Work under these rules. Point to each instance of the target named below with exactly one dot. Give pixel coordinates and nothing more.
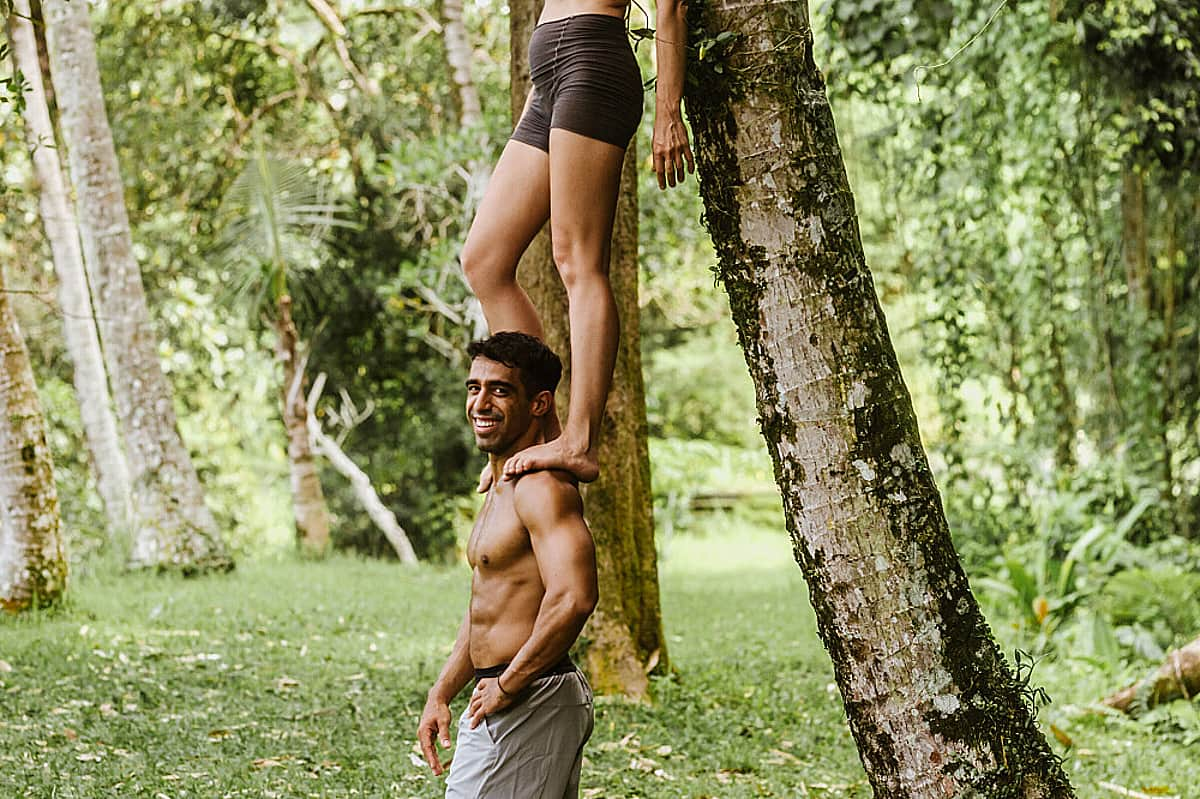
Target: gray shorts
(532, 750)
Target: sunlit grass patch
(288, 679)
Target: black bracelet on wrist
(500, 685)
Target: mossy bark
(172, 527)
(33, 565)
(934, 708)
(74, 295)
(624, 638)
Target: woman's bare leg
(585, 176)
(514, 208)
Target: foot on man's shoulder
(553, 455)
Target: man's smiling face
(497, 405)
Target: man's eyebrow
(475, 381)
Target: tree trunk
(458, 58)
(934, 708)
(1134, 248)
(1177, 678)
(74, 296)
(308, 500)
(625, 636)
(360, 483)
(33, 566)
(172, 527)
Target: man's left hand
(486, 699)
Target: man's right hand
(434, 727)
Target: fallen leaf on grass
(1121, 790)
(5, 666)
(1061, 737)
(70, 734)
(272, 762)
(89, 757)
(285, 683)
(219, 735)
(781, 757)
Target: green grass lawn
(289, 679)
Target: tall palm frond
(274, 221)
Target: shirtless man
(533, 585)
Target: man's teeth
(485, 423)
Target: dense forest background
(1026, 179)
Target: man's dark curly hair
(540, 368)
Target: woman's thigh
(585, 179)
(515, 206)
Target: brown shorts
(585, 80)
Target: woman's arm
(670, 143)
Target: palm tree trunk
(934, 708)
(74, 295)
(33, 566)
(308, 500)
(172, 527)
(625, 634)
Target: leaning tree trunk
(308, 500)
(934, 708)
(625, 633)
(172, 527)
(33, 568)
(79, 322)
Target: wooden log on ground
(1177, 678)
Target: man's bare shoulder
(546, 493)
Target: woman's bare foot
(556, 454)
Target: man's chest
(498, 537)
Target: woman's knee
(484, 274)
(579, 265)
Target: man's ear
(542, 403)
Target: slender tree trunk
(33, 566)
(625, 633)
(74, 296)
(1133, 237)
(458, 58)
(457, 46)
(308, 500)
(934, 708)
(173, 529)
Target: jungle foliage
(1026, 179)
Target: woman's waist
(556, 10)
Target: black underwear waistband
(563, 666)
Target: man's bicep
(562, 543)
